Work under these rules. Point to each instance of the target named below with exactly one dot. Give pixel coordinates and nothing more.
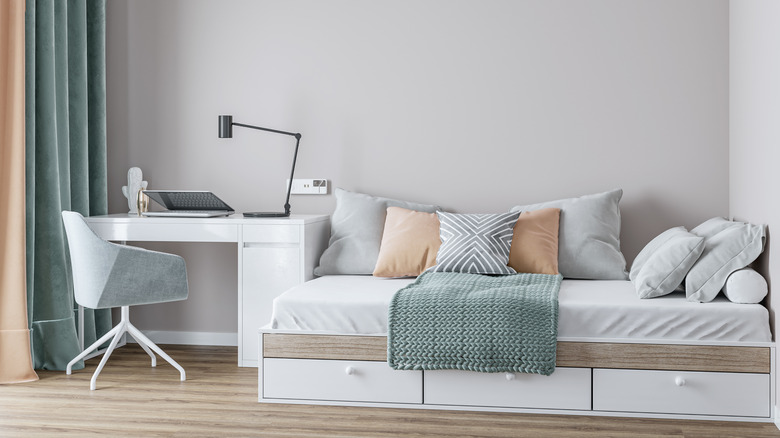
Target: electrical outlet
(308, 186)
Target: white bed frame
(693, 380)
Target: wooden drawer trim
(332, 347)
(570, 354)
(665, 357)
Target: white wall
(754, 135)
(473, 105)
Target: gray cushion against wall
(588, 236)
(728, 246)
(662, 264)
(356, 232)
(475, 243)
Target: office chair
(108, 275)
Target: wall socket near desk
(308, 186)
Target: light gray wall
(473, 105)
(754, 135)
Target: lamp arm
(268, 129)
(292, 173)
(226, 124)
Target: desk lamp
(226, 131)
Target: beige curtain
(15, 360)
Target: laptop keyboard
(196, 200)
(196, 212)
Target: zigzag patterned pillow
(475, 243)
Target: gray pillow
(356, 228)
(475, 243)
(662, 264)
(588, 236)
(728, 246)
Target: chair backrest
(110, 275)
(91, 259)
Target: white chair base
(123, 327)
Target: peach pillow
(535, 242)
(409, 245)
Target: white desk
(274, 254)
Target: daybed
(617, 354)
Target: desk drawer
(155, 230)
(272, 233)
(566, 388)
(308, 379)
(672, 392)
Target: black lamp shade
(225, 126)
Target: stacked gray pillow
(704, 258)
(662, 264)
(356, 232)
(588, 236)
(728, 246)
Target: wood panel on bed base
(570, 354)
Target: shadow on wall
(642, 218)
(761, 265)
(117, 101)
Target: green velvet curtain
(65, 163)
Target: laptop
(187, 203)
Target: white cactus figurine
(134, 184)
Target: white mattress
(357, 304)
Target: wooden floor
(220, 399)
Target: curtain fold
(15, 360)
(65, 164)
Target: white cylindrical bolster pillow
(745, 286)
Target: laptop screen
(187, 200)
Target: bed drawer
(339, 380)
(672, 392)
(566, 388)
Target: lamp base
(266, 214)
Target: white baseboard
(190, 338)
(777, 418)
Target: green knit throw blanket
(449, 320)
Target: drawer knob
(350, 370)
(510, 376)
(679, 381)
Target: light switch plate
(317, 186)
